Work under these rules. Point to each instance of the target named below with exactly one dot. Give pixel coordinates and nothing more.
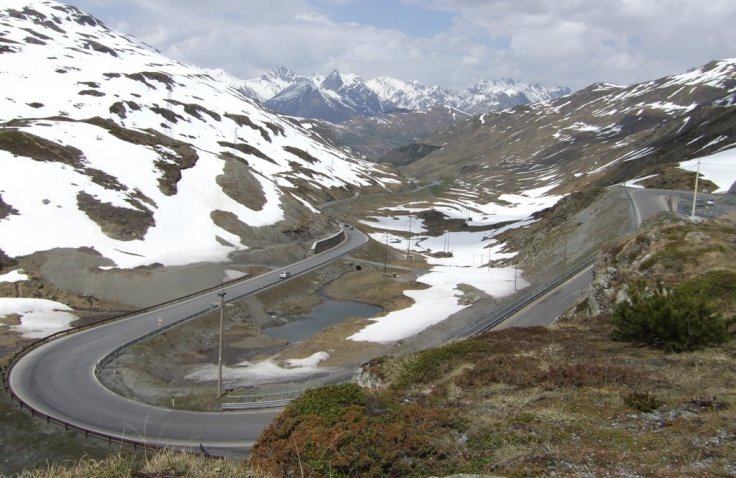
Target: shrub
(669, 319)
(642, 401)
(520, 371)
(432, 364)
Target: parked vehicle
(709, 202)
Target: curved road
(58, 378)
(545, 310)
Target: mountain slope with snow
(601, 135)
(106, 144)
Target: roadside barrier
(510, 309)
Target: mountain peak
(333, 81)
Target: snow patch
(263, 372)
(718, 168)
(39, 317)
(14, 276)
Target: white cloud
(570, 42)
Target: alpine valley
(128, 179)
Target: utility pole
(385, 258)
(695, 192)
(221, 295)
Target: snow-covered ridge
(392, 93)
(93, 121)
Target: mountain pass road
(58, 378)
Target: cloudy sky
(451, 43)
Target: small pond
(323, 316)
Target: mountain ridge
(359, 98)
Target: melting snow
(719, 168)
(13, 276)
(471, 251)
(39, 317)
(266, 371)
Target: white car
(709, 202)
(285, 275)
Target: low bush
(717, 287)
(642, 401)
(329, 402)
(520, 371)
(668, 318)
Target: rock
(696, 236)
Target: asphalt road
(58, 378)
(545, 310)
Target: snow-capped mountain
(412, 95)
(496, 95)
(107, 145)
(484, 97)
(332, 100)
(351, 97)
(271, 83)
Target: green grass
(431, 364)
(329, 402)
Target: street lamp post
(385, 257)
(221, 295)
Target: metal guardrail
(266, 400)
(256, 405)
(510, 309)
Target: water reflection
(323, 316)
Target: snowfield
(438, 302)
(471, 252)
(718, 168)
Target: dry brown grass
(160, 464)
(537, 402)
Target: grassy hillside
(568, 400)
